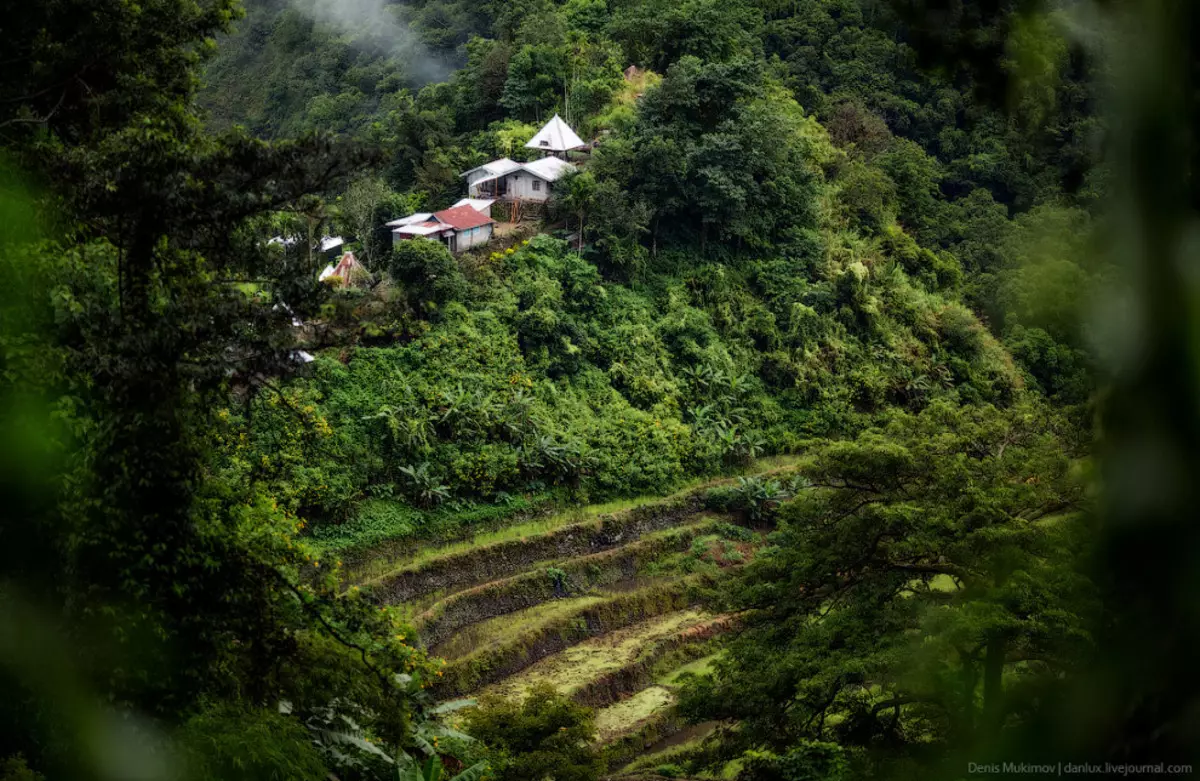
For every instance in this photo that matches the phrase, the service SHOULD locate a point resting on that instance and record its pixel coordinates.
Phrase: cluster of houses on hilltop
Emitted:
(469, 222)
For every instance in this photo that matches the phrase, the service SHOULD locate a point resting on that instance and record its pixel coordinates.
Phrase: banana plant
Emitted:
(432, 769)
(424, 486)
(425, 737)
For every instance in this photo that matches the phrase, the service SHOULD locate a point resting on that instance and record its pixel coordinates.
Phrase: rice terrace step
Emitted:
(605, 609)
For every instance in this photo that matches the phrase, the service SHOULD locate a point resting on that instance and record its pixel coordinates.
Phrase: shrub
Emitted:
(428, 272)
(810, 761)
(14, 769)
(423, 486)
(545, 736)
(753, 497)
(229, 743)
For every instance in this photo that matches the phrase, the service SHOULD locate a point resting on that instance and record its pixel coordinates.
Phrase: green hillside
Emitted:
(789, 436)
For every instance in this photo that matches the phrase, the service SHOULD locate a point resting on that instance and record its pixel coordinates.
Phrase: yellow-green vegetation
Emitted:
(558, 627)
(573, 516)
(701, 666)
(485, 636)
(531, 528)
(618, 568)
(501, 559)
(580, 664)
(627, 715)
(690, 742)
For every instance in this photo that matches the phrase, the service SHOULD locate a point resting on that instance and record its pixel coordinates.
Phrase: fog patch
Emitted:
(376, 25)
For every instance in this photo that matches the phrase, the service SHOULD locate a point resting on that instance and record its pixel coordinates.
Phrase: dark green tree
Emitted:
(927, 587)
(718, 154)
(165, 589)
(546, 736)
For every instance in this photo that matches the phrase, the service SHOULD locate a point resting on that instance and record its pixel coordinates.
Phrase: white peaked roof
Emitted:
(548, 168)
(555, 136)
(478, 204)
(495, 168)
(331, 242)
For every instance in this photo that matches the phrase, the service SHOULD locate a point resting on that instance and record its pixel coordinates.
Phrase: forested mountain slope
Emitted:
(754, 278)
(820, 280)
(987, 178)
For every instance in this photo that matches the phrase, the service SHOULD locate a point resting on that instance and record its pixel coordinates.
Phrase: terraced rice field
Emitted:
(602, 605)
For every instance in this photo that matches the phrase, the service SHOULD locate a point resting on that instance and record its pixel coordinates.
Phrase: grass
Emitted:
(701, 666)
(624, 716)
(552, 634)
(546, 525)
(583, 663)
(507, 628)
(425, 605)
(531, 528)
(384, 531)
(673, 754)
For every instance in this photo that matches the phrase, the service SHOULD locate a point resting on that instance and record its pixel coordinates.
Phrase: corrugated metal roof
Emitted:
(410, 219)
(478, 204)
(548, 168)
(495, 168)
(422, 228)
(462, 217)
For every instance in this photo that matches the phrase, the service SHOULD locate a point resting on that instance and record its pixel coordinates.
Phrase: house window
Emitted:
(537, 185)
(545, 143)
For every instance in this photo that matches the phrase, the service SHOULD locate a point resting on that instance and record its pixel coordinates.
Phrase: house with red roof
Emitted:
(461, 227)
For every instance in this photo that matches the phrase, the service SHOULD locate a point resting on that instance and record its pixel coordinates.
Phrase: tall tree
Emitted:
(926, 588)
(167, 588)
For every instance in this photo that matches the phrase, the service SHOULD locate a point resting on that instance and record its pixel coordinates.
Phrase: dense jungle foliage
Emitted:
(753, 275)
(862, 232)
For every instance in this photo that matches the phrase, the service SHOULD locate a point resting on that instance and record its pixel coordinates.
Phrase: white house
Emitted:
(490, 178)
(509, 180)
(461, 227)
(520, 181)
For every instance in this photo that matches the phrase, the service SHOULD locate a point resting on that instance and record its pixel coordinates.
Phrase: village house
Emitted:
(461, 227)
(469, 222)
(507, 179)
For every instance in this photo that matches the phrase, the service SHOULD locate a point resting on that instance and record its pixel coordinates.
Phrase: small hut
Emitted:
(555, 138)
(347, 273)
